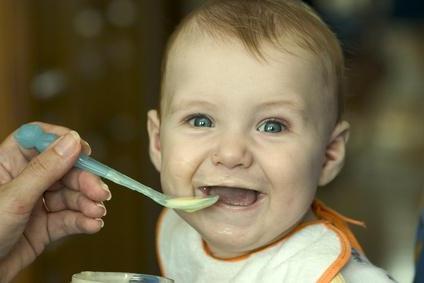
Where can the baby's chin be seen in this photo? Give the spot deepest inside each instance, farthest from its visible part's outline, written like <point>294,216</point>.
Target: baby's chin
<point>228,239</point>
<point>234,228</point>
<point>229,235</point>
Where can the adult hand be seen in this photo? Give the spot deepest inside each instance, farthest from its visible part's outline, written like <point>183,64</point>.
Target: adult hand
<point>43,199</point>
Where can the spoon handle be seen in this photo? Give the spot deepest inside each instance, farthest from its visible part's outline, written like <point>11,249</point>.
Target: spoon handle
<point>33,136</point>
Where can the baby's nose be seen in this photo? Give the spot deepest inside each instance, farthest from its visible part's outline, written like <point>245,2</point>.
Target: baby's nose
<point>231,152</point>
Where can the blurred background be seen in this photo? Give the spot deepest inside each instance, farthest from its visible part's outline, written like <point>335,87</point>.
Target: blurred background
<point>94,66</point>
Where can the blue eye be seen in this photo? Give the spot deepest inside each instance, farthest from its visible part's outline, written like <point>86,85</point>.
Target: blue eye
<point>271,126</point>
<point>201,121</point>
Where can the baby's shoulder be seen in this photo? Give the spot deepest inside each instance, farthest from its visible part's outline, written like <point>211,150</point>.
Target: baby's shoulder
<point>360,269</point>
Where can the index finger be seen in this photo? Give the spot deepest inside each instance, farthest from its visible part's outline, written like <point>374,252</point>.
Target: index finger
<point>87,183</point>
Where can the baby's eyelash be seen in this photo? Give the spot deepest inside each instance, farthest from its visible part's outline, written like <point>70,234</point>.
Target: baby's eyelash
<point>191,116</point>
<point>272,126</point>
<point>199,120</point>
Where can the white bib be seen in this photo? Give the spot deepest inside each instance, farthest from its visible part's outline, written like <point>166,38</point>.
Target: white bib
<point>305,256</point>
<point>317,251</point>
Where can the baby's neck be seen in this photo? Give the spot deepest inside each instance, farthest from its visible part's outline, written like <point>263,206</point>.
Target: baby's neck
<point>309,216</point>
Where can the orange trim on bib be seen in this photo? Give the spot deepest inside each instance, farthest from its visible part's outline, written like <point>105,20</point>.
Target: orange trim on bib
<point>341,260</point>
<point>339,221</point>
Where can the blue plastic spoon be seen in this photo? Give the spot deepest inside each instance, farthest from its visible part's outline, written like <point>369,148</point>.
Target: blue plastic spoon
<point>32,136</point>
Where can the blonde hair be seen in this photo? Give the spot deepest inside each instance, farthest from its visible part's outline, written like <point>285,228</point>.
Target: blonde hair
<point>278,22</point>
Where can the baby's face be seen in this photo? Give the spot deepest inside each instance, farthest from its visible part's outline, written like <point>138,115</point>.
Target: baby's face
<point>251,131</point>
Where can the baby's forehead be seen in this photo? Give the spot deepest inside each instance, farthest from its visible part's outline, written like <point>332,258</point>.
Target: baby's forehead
<point>253,71</point>
<point>263,50</point>
<point>188,44</point>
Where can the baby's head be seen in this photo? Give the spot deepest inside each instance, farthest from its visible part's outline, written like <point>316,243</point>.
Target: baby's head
<point>250,110</point>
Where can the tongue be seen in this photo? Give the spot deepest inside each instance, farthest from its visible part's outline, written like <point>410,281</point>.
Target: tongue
<point>234,196</point>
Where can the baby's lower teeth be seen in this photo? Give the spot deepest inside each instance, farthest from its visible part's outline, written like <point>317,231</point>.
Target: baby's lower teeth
<point>237,202</point>
<point>234,196</point>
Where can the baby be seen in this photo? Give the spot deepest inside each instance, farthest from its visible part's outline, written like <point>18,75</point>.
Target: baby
<point>250,110</point>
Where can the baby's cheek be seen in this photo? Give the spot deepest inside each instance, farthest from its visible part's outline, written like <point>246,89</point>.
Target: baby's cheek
<point>175,176</point>
<point>293,177</point>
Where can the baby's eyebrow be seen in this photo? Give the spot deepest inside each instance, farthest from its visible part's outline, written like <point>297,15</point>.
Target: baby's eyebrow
<point>189,103</point>
<point>295,108</point>
<point>292,105</point>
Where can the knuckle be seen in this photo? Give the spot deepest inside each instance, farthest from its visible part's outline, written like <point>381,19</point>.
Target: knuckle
<point>5,172</point>
<point>77,225</point>
<point>65,198</point>
<point>4,177</point>
<point>80,200</point>
<point>39,165</point>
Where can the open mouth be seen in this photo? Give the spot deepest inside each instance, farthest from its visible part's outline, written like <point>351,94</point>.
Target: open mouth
<point>232,196</point>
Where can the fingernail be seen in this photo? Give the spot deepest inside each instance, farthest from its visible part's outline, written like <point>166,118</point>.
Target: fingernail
<point>67,143</point>
<point>106,188</point>
<point>102,223</point>
<point>88,147</point>
<point>100,204</point>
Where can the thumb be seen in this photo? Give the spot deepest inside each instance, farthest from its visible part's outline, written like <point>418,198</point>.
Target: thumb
<point>46,168</point>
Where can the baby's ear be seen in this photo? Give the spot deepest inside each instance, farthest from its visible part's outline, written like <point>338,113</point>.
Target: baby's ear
<point>153,128</point>
<point>335,153</point>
